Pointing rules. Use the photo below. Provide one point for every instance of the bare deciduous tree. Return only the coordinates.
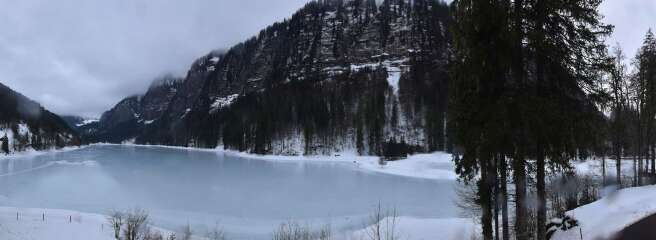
(115, 219)
(295, 231)
(216, 233)
(383, 225)
(186, 233)
(135, 224)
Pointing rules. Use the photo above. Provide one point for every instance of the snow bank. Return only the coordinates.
(87, 163)
(428, 229)
(58, 225)
(33, 153)
(72, 225)
(611, 214)
(433, 166)
(594, 167)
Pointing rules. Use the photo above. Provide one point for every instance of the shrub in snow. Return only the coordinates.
(216, 234)
(5, 144)
(133, 225)
(295, 231)
(561, 224)
(383, 225)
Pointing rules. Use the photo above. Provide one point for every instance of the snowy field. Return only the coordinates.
(42, 224)
(427, 229)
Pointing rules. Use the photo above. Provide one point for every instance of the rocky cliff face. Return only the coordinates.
(361, 75)
(25, 125)
(130, 116)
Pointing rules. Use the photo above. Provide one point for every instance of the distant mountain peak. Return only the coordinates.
(167, 80)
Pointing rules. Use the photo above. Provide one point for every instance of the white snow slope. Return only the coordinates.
(58, 225)
(409, 228)
(611, 214)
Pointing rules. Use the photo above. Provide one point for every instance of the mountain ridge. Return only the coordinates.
(25, 125)
(394, 52)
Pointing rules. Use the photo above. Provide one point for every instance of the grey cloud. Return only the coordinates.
(80, 57)
(632, 19)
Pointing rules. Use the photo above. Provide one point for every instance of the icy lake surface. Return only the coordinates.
(248, 198)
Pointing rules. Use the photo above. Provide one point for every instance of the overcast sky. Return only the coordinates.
(81, 57)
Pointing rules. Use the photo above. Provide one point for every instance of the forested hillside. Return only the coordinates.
(336, 76)
(25, 125)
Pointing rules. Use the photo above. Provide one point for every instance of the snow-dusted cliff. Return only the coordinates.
(356, 75)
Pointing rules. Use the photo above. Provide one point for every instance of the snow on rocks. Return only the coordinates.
(222, 102)
(394, 76)
(87, 122)
(23, 132)
(611, 214)
(394, 70)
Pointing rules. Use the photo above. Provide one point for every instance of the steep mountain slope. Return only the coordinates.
(129, 117)
(83, 126)
(24, 125)
(337, 76)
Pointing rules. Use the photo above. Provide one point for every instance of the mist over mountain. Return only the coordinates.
(366, 76)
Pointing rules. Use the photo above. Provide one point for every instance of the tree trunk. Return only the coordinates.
(653, 160)
(484, 191)
(521, 211)
(647, 158)
(504, 198)
(542, 194)
(497, 205)
(635, 170)
(639, 150)
(618, 168)
(603, 169)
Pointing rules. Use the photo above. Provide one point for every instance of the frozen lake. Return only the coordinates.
(249, 198)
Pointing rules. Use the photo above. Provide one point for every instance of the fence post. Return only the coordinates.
(16, 216)
(43, 217)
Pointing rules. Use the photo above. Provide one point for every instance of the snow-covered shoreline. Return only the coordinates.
(429, 166)
(37, 223)
(33, 153)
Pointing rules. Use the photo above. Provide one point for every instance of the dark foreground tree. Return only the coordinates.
(478, 94)
(525, 85)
